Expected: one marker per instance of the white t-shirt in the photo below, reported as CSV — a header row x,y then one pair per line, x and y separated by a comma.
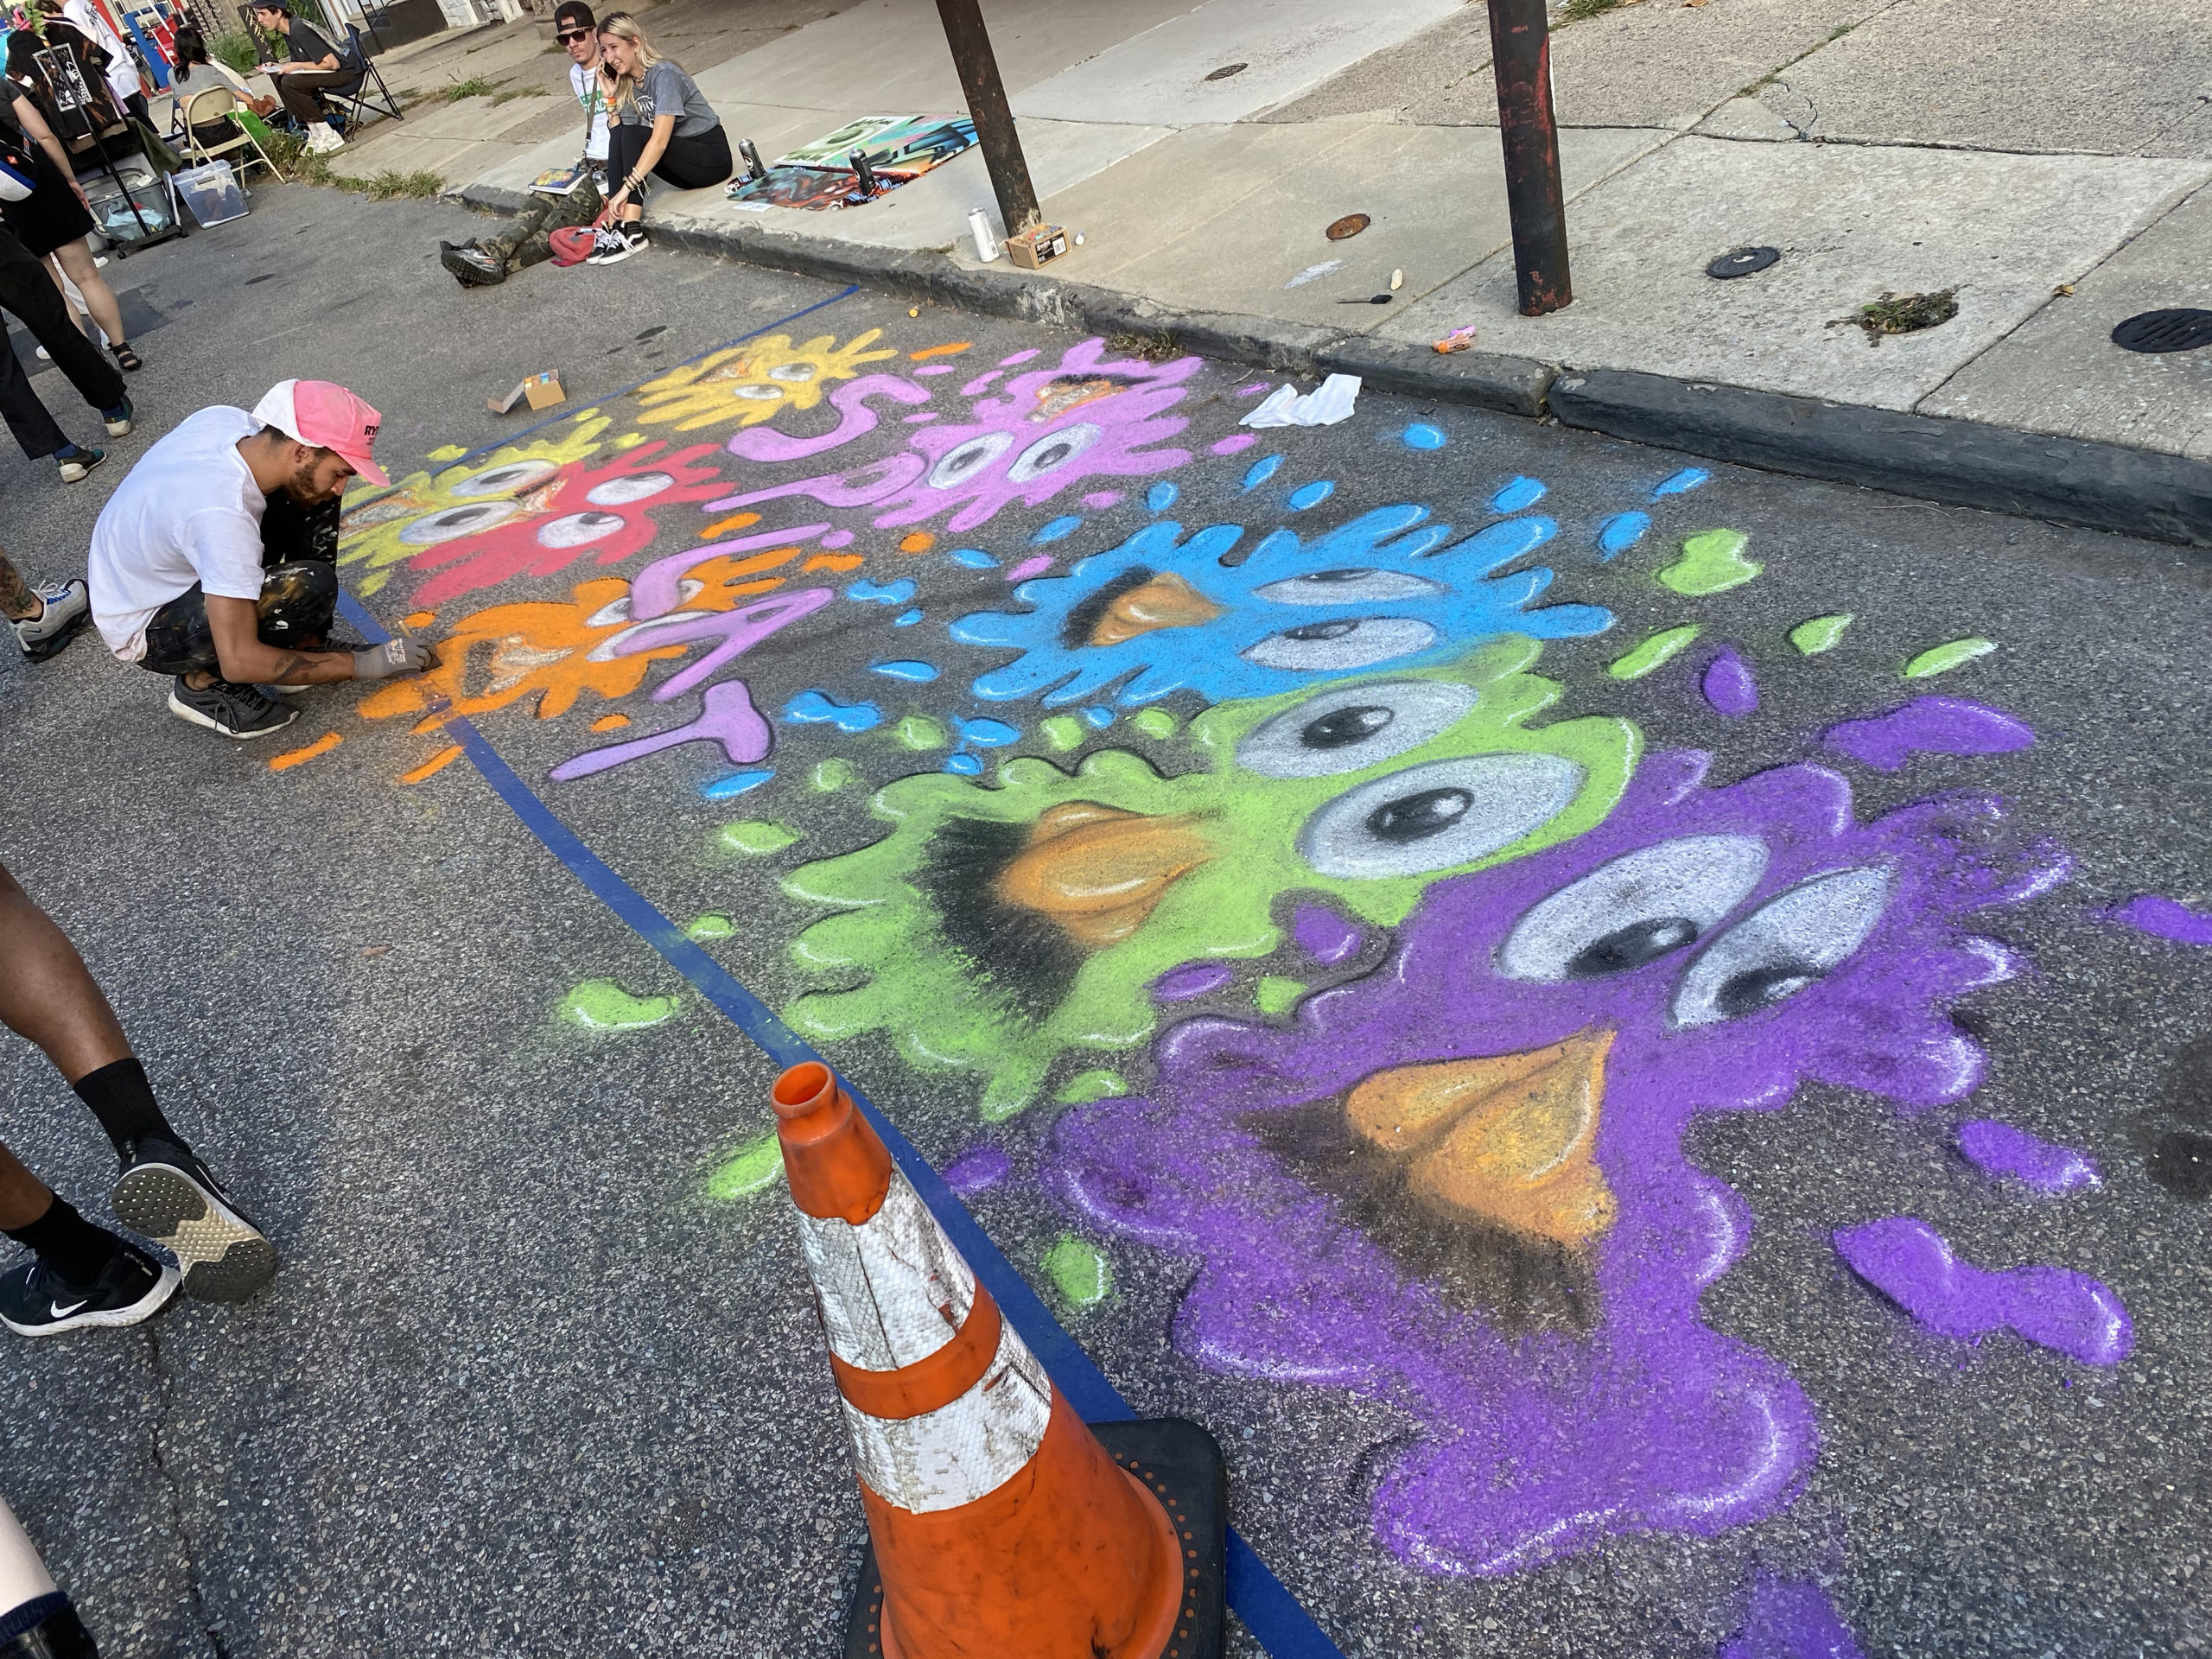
x,y
188,512
121,69
586,83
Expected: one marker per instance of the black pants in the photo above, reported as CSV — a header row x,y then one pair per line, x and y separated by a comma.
x,y
690,163
299,594
29,291
302,90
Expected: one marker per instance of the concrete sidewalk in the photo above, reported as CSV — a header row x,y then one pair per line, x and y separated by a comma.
x,y
2048,163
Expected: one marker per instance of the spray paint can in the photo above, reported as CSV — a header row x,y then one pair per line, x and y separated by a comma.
x,y
38,1615
979,226
754,170
863,171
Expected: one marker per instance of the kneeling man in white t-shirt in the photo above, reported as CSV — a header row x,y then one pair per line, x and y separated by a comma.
x,y
215,560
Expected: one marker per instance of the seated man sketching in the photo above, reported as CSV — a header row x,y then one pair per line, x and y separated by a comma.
x,y
312,64
215,560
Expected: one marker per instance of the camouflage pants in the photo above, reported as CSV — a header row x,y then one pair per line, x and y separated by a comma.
x,y
530,238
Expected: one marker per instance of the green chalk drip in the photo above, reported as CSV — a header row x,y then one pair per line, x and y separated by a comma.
x,y
1652,653
601,1005
709,926
755,1166
1062,731
1275,994
1091,1085
921,731
1822,633
1943,658
1082,1274
1155,723
1712,562
832,775
757,837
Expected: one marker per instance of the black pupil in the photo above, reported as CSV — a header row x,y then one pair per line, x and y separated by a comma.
x,y
1758,987
1411,817
1055,456
1631,946
1338,576
1346,726
1321,630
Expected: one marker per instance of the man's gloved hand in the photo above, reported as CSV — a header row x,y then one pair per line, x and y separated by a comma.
x,y
404,655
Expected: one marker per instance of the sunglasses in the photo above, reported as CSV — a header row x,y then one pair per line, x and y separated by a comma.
x,y
572,35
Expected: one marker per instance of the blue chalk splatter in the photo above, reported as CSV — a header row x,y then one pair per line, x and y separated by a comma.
x,y
906,619
1681,483
1621,532
1422,436
918,673
1312,495
1102,718
1262,469
809,708
965,766
1058,530
987,734
974,558
1162,496
734,784
891,593
1517,493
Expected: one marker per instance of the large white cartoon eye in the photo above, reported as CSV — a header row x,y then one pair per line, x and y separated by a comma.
x,y
1049,455
1352,643
450,524
1431,817
1642,907
797,372
1346,588
579,530
760,394
1784,946
510,479
1352,728
962,461
621,492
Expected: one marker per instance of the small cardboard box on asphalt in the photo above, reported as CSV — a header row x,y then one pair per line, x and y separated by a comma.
x,y
541,391
1038,247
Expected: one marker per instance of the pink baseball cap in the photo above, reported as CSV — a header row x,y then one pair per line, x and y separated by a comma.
x,y
326,417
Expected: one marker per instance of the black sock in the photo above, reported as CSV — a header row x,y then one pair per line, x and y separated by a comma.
x,y
122,1100
75,1248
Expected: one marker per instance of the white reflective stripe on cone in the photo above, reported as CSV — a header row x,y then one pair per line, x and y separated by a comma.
x,y
23,1577
960,1453
893,1290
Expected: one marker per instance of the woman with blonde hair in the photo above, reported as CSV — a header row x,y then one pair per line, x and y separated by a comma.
x,y
658,126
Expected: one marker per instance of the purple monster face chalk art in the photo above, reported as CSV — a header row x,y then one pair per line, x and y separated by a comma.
x,y
1459,1184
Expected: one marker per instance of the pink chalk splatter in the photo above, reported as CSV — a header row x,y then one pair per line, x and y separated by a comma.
x,y
1035,566
934,368
838,538
981,383
1254,390
726,717
1019,357
1099,500
2003,1150
1230,446
1909,1262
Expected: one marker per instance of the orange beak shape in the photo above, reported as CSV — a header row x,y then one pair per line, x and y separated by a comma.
x,y
1099,872
1166,601
1509,1139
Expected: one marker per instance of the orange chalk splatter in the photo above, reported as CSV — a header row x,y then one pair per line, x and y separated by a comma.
x,y
418,618
840,562
436,764
291,758
929,352
723,526
722,577
920,542
610,722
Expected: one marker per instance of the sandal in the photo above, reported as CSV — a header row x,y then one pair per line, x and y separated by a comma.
x,y
127,359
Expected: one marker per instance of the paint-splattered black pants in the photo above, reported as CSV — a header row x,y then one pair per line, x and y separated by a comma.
x,y
299,594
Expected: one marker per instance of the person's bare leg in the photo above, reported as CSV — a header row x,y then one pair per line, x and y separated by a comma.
x,y
17,602
23,1197
99,299
77,318
46,993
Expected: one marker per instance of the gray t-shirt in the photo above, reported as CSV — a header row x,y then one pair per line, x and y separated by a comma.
x,y
665,89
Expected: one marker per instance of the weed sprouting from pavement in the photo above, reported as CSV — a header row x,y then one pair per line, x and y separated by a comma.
x,y
391,184
1151,349
498,98
1576,11
1903,313
474,87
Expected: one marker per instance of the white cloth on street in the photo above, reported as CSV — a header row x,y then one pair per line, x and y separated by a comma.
x,y
1330,403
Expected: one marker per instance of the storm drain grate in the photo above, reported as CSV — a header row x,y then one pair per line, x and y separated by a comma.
x,y
1742,262
2165,331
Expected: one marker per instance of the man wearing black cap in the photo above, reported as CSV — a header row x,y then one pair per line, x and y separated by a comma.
x,y
312,64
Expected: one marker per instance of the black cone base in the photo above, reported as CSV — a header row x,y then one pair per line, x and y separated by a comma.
x,y
46,1629
1182,1465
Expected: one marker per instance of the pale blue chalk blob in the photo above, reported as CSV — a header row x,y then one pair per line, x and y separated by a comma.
x,y
918,673
732,784
974,558
891,593
1681,483
1099,717
1262,469
1517,493
987,734
1422,436
965,766
811,708
1162,496
1621,532
1058,530
906,619
1310,495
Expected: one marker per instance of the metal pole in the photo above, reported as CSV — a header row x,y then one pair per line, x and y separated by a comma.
x,y
979,78
1521,54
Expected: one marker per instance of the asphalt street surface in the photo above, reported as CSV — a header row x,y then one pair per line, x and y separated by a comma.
x,y
1752,1346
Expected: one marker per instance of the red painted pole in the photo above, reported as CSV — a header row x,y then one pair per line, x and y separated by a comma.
x,y
1521,56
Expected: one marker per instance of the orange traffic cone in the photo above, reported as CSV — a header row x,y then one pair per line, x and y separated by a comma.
x,y
1000,1527
36,1621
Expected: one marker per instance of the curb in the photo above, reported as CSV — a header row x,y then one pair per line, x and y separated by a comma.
x,y
1963,463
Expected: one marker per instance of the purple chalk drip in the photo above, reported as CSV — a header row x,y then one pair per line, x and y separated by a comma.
x,y
1909,1261
2163,918
1790,1620
1233,443
1191,979
1729,687
1035,566
1324,935
2003,1150
1928,726
977,1171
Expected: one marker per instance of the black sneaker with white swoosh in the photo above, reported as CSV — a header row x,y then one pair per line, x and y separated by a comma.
x,y
37,1301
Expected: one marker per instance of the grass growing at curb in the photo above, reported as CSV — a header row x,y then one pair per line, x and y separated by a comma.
x,y
498,98
474,87
391,184
1152,348
304,166
1576,11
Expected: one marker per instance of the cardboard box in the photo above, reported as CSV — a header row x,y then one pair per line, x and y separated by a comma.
x,y
542,390
1032,250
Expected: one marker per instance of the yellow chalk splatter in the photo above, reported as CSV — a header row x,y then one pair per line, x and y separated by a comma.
x,y
748,383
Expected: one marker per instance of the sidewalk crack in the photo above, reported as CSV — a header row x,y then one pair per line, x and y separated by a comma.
x,y
173,1488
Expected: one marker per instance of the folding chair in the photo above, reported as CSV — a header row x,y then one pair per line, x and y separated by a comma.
x,y
356,96
212,107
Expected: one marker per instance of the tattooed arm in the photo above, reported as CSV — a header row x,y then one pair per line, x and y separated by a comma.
x,y
17,602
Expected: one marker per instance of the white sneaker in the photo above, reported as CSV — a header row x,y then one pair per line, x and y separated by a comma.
x,y
336,140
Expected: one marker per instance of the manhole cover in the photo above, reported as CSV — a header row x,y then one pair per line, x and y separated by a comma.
x,y
1349,224
1742,262
1226,70
2165,331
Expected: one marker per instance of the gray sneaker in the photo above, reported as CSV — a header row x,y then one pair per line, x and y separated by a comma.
x,y
69,607
237,711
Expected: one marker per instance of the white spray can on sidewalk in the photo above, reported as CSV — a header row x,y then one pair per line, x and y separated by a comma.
x,y
979,226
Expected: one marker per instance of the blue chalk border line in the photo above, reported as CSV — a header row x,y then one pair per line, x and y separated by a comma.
x,y
1268,1609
